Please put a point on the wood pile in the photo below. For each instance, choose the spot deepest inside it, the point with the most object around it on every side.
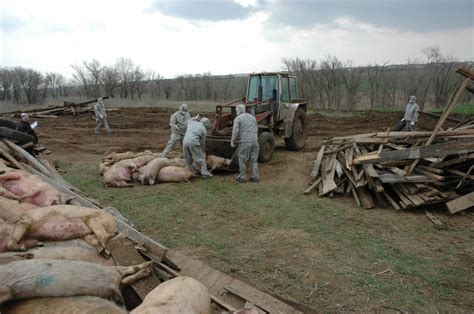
(373, 168)
(68, 108)
(402, 169)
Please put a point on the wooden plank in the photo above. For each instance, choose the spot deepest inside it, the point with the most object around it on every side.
(442, 119)
(217, 281)
(328, 179)
(391, 200)
(393, 178)
(429, 174)
(461, 203)
(453, 161)
(124, 254)
(431, 169)
(416, 152)
(365, 199)
(312, 187)
(354, 194)
(433, 219)
(317, 163)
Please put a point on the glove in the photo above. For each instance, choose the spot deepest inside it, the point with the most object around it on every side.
(232, 144)
(174, 127)
(403, 119)
(101, 116)
(412, 123)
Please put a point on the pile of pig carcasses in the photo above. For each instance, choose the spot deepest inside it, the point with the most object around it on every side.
(62, 252)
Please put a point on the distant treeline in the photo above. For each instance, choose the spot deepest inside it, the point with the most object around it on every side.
(328, 83)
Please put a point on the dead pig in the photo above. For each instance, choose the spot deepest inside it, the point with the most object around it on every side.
(61, 305)
(177, 295)
(151, 170)
(68, 252)
(60, 222)
(216, 163)
(174, 174)
(32, 189)
(56, 278)
(121, 172)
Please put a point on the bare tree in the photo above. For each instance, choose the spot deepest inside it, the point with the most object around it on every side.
(443, 78)
(352, 78)
(95, 75)
(110, 80)
(414, 80)
(81, 78)
(376, 77)
(331, 78)
(125, 69)
(6, 81)
(155, 82)
(208, 87)
(54, 81)
(30, 82)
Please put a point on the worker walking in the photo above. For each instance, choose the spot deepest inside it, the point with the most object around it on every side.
(178, 123)
(245, 130)
(194, 145)
(410, 118)
(100, 116)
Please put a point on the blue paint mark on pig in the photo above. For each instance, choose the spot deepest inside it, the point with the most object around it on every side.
(45, 280)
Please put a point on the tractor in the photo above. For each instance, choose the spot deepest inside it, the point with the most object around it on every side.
(273, 99)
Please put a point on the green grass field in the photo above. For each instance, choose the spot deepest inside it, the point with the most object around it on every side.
(273, 237)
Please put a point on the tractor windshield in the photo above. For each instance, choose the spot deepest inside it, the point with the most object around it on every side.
(269, 85)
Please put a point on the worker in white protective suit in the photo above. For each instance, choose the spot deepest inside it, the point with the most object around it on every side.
(194, 145)
(100, 116)
(178, 124)
(410, 118)
(245, 131)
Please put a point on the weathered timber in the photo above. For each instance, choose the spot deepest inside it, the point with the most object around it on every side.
(461, 203)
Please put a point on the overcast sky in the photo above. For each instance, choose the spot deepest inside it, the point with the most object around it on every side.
(228, 36)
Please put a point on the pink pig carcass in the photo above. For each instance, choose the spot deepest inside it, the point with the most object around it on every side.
(121, 172)
(174, 174)
(60, 222)
(31, 189)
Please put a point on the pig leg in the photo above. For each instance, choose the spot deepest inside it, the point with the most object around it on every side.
(21, 225)
(92, 240)
(99, 231)
(128, 272)
(5, 294)
(4, 192)
(128, 280)
(10, 176)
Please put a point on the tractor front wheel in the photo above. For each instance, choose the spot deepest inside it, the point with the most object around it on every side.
(267, 146)
(299, 133)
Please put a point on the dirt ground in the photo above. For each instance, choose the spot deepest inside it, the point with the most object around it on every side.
(291, 262)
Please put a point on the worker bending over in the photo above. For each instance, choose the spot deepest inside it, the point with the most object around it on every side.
(194, 145)
(178, 123)
(245, 130)
(100, 116)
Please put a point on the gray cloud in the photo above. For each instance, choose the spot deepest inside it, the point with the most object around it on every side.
(411, 15)
(9, 23)
(204, 10)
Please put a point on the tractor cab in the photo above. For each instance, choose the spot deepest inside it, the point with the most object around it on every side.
(273, 99)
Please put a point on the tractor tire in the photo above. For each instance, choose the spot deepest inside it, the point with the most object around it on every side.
(267, 146)
(299, 133)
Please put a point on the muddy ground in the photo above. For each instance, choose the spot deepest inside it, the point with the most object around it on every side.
(292, 264)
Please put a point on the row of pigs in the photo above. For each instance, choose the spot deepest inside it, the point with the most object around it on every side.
(52, 257)
(119, 169)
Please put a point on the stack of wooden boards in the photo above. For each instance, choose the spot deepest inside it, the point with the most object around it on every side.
(375, 168)
(68, 108)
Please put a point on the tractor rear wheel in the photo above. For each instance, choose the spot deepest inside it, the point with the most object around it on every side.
(299, 133)
(267, 146)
